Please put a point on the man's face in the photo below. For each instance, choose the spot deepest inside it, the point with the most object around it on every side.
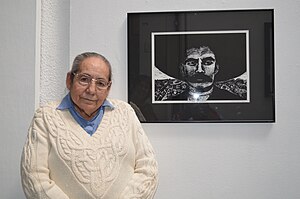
(199, 68)
(89, 98)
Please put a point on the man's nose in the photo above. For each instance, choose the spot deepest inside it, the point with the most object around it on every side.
(199, 67)
(92, 87)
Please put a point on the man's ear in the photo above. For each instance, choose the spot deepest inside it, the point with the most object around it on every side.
(182, 70)
(108, 89)
(69, 80)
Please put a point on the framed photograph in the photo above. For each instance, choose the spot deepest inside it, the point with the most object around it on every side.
(202, 66)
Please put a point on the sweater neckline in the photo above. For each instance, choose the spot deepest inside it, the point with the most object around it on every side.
(75, 127)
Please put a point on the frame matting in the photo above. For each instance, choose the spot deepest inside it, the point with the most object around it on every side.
(234, 49)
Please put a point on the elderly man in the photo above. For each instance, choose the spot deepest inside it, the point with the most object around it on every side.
(88, 146)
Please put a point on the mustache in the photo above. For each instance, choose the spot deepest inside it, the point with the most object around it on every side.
(199, 78)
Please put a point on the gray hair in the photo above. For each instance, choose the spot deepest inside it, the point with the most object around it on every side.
(81, 57)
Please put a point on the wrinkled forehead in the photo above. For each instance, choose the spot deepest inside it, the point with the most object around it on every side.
(201, 56)
(200, 53)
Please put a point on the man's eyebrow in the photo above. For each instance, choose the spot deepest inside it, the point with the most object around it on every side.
(85, 74)
(101, 78)
(190, 58)
(209, 58)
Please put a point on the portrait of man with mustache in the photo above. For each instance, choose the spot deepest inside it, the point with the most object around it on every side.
(198, 71)
(196, 81)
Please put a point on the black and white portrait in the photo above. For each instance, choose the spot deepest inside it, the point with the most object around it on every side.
(201, 67)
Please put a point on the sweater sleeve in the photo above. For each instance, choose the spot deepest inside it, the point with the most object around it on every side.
(35, 174)
(143, 183)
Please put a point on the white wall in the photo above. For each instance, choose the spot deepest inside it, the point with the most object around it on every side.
(17, 80)
(54, 48)
(208, 161)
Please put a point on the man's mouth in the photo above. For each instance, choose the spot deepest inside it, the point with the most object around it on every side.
(90, 100)
(199, 78)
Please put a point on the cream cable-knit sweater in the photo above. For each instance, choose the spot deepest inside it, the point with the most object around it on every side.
(61, 161)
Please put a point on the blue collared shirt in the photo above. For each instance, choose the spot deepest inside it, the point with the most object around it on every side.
(89, 126)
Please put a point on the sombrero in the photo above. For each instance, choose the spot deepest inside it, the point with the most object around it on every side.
(229, 49)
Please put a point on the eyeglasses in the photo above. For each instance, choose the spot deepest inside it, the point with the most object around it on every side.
(85, 80)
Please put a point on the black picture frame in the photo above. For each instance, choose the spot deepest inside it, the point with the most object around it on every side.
(201, 66)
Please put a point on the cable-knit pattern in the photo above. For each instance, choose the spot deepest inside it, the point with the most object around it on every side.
(31, 183)
(95, 163)
(28, 165)
(146, 166)
(116, 162)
